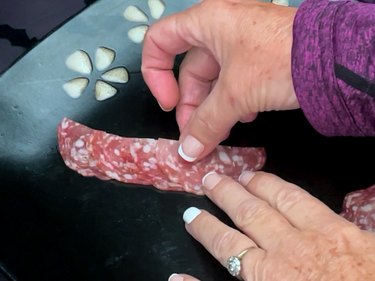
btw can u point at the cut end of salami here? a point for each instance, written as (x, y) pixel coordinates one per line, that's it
(359, 208)
(144, 161)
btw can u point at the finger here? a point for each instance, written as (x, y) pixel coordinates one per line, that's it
(164, 40)
(251, 215)
(300, 208)
(209, 124)
(219, 239)
(181, 277)
(197, 72)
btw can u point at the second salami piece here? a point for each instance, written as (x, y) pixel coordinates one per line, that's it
(147, 161)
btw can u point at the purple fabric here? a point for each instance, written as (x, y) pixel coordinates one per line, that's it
(326, 33)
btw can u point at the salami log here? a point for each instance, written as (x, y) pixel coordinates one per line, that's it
(359, 208)
(145, 161)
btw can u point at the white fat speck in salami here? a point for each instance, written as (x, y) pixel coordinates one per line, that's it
(224, 158)
(79, 143)
(128, 177)
(146, 149)
(146, 161)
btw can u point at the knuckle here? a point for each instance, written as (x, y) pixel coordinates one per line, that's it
(222, 243)
(206, 123)
(257, 268)
(262, 180)
(347, 233)
(287, 199)
(250, 211)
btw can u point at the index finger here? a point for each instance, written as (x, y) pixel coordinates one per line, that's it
(164, 40)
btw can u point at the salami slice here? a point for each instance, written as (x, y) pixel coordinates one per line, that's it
(147, 161)
(359, 208)
(226, 160)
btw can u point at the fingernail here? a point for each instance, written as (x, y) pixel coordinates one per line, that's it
(164, 109)
(190, 149)
(210, 180)
(175, 277)
(246, 177)
(190, 214)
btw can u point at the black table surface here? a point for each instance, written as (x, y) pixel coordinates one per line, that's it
(58, 225)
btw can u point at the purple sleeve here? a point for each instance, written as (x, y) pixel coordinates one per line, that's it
(333, 66)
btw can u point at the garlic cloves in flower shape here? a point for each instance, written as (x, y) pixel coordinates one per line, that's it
(74, 88)
(137, 34)
(104, 57)
(134, 14)
(79, 61)
(116, 75)
(281, 2)
(104, 91)
(157, 8)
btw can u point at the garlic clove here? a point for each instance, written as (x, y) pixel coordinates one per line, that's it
(75, 87)
(134, 14)
(116, 75)
(79, 61)
(104, 57)
(281, 2)
(137, 34)
(157, 8)
(104, 91)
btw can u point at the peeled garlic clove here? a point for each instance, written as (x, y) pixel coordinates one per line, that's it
(104, 91)
(137, 34)
(74, 88)
(104, 57)
(157, 8)
(281, 2)
(79, 61)
(117, 75)
(134, 14)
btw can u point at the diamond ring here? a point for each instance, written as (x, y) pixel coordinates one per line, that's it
(234, 262)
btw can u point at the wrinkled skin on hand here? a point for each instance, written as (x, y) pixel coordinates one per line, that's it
(296, 236)
(238, 63)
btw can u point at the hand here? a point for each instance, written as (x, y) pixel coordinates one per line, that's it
(238, 64)
(291, 235)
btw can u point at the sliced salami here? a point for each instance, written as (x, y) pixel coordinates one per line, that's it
(75, 143)
(359, 208)
(226, 160)
(147, 161)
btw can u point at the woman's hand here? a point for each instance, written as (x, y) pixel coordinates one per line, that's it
(238, 64)
(290, 234)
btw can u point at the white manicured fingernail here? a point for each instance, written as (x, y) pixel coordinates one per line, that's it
(210, 180)
(190, 214)
(175, 277)
(190, 149)
(246, 177)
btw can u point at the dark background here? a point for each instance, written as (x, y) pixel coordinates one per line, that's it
(58, 225)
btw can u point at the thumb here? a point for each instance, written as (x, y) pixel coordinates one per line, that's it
(208, 125)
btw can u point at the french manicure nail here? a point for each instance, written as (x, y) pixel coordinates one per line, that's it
(190, 214)
(175, 277)
(190, 149)
(210, 180)
(246, 177)
(164, 109)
